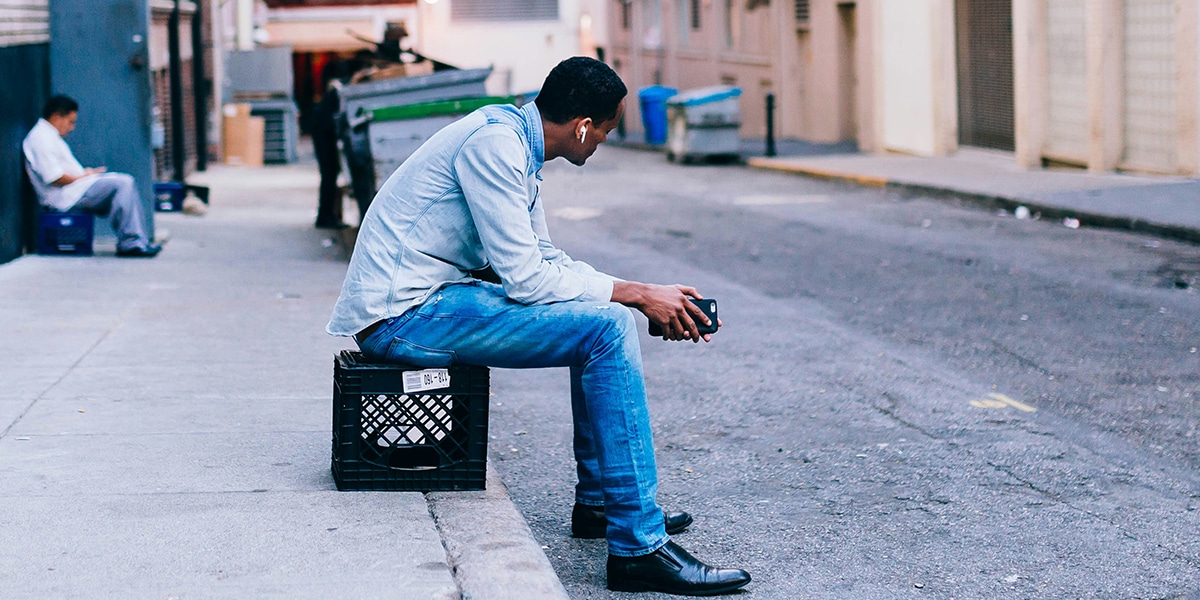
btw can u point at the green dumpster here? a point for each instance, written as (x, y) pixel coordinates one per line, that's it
(395, 132)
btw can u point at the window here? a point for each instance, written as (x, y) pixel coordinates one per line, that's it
(733, 25)
(801, 12)
(652, 21)
(684, 10)
(503, 10)
(696, 15)
(626, 14)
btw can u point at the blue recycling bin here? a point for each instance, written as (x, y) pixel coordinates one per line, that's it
(654, 112)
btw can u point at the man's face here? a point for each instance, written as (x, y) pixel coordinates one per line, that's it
(597, 133)
(64, 123)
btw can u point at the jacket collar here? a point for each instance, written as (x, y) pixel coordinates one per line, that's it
(537, 139)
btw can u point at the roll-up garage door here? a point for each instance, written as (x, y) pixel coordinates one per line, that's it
(1067, 109)
(1150, 125)
(985, 73)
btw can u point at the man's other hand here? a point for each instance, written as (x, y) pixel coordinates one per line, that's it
(667, 305)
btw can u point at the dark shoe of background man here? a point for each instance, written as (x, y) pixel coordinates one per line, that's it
(589, 522)
(138, 252)
(671, 570)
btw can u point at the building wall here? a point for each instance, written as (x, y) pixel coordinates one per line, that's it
(20, 108)
(1108, 84)
(100, 57)
(521, 52)
(25, 58)
(906, 78)
(916, 76)
(818, 67)
(327, 29)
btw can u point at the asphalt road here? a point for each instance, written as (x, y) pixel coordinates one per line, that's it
(910, 398)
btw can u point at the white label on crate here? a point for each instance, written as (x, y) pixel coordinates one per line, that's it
(429, 379)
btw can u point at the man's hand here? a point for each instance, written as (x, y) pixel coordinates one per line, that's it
(69, 179)
(666, 305)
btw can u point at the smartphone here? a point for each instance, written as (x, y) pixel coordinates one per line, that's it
(707, 305)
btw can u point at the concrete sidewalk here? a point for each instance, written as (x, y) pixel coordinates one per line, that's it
(165, 427)
(1160, 205)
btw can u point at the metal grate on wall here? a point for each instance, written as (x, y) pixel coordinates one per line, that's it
(280, 129)
(802, 12)
(503, 10)
(163, 159)
(24, 22)
(1150, 124)
(985, 74)
(1066, 82)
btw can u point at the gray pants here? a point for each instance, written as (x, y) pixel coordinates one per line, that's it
(115, 195)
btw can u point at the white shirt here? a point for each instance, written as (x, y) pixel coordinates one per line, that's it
(48, 158)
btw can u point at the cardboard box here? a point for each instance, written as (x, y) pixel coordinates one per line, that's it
(255, 135)
(243, 136)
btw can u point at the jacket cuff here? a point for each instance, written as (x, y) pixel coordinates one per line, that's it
(599, 289)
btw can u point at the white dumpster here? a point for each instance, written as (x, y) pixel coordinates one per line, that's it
(703, 123)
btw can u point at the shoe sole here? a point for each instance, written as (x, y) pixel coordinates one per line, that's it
(643, 587)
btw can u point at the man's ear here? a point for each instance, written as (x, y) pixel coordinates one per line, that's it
(583, 122)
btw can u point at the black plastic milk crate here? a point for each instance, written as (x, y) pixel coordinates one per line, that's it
(431, 439)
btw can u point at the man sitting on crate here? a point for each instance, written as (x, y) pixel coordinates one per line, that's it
(467, 201)
(63, 184)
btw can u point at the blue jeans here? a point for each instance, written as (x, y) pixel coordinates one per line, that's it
(477, 324)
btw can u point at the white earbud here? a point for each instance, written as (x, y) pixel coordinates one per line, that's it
(582, 134)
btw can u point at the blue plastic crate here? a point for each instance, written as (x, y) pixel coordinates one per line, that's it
(65, 233)
(169, 195)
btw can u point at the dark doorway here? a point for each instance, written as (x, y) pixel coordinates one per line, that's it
(985, 73)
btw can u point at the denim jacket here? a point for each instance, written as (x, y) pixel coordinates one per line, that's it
(466, 199)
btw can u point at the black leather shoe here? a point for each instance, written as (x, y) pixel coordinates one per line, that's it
(589, 523)
(150, 251)
(672, 570)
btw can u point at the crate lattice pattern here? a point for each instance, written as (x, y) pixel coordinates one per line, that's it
(393, 420)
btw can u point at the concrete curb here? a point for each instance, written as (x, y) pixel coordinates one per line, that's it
(490, 548)
(771, 165)
(1091, 219)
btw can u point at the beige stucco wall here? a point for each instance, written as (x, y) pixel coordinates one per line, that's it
(809, 69)
(917, 77)
(522, 53)
(1105, 91)
(1187, 36)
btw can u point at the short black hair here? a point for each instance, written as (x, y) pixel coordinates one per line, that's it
(580, 87)
(59, 105)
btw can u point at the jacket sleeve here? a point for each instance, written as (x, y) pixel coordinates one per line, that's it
(491, 169)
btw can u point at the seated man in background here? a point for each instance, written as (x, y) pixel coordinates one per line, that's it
(63, 184)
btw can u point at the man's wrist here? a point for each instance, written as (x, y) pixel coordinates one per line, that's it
(628, 293)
